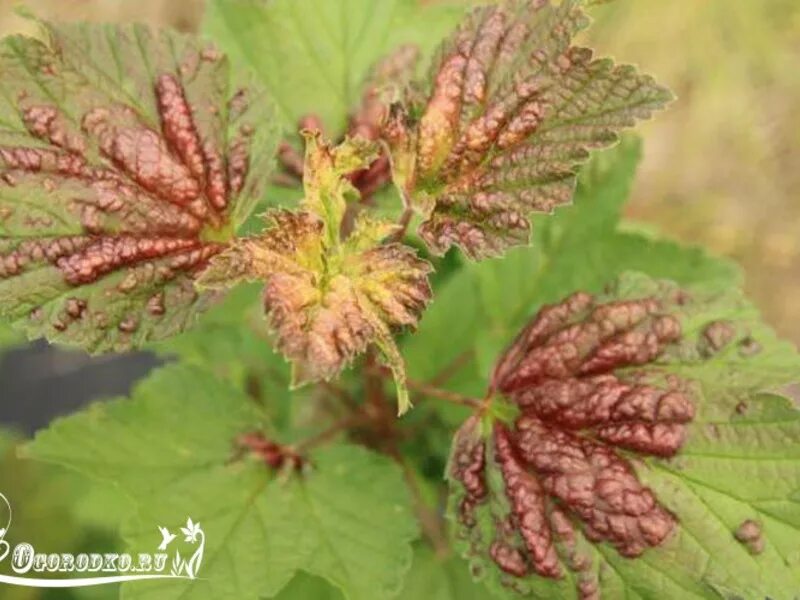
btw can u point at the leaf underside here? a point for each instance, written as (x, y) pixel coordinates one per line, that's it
(127, 158)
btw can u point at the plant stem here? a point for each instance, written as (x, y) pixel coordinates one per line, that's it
(373, 384)
(403, 222)
(433, 391)
(429, 519)
(441, 394)
(327, 434)
(452, 368)
(380, 417)
(341, 394)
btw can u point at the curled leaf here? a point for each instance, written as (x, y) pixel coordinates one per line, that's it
(512, 112)
(381, 88)
(327, 299)
(127, 159)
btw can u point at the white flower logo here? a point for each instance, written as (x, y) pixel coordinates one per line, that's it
(193, 534)
(191, 531)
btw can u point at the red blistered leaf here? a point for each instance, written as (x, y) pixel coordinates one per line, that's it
(513, 110)
(587, 380)
(528, 505)
(127, 159)
(468, 464)
(596, 485)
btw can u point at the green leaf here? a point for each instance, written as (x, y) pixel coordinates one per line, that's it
(305, 586)
(435, 578)
(720, 453)
(176, 444)
(232, 341)
(127, 158)
(53, 508)
(314, 56)
(513, 110)
(430, 578)
(9, 337)
(346, 517)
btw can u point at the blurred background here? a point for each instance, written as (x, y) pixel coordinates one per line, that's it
(722, 166)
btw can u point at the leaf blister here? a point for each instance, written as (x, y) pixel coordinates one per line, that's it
(512, 112)
(118, 180)
(583, 377)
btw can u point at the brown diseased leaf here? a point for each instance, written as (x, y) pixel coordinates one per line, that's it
(584, 376)
(512, 112)
(127, 159)
(326, 305)
(330, 291)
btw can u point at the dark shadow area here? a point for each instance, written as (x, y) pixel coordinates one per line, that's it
(40, 382)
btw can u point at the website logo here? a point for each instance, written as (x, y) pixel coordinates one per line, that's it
(90, 569)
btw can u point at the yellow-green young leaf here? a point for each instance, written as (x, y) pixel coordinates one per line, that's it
(127, 158)
(650, 452)
(327, 298)
(327, 190)
(346, 516)
(512, 112)
(327, 305)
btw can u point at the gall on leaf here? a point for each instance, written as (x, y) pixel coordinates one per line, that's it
(512, 111)
(585, 378)
(274, 455)
(127, 159)
(328, 296)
